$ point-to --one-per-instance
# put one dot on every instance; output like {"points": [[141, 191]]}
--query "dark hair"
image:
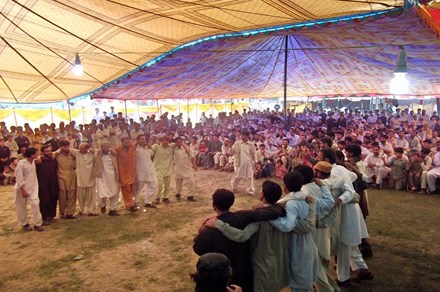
{"points": [[354, 149], [329, 154], [30, 151], [213, 274], [245, 132], [339, 156], [306, 171], [44, 147], [348, 139], [271, 191], [293, 181], [63, 143], [12, 159], [398, 150], [140, 135], [328, 141], [426, 151], [223, 199]]}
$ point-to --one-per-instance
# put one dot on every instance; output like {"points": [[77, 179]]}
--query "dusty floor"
{"points": [[152, 251]]}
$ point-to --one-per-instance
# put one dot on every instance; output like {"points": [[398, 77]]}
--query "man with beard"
{"points": [[185, 164], [85, 160], [106, 173], [127, 162], [66, 180], [146, 175], [48, 189], [163, 163]]}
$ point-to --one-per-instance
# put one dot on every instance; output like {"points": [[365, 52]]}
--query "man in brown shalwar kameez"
{"points": [[126, 156], [66, 180]]}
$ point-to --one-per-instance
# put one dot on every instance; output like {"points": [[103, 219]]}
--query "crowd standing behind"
{"points": [[93, 163]]}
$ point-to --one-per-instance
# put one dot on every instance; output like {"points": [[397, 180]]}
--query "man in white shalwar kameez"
{"points": [[301, 247], [85, 179], [434, 173], [352, 226], [145, 172], [184, 166], [101, 135], [244, 160], [375, 165], [26, 191], [324, 204], [107, 182]]}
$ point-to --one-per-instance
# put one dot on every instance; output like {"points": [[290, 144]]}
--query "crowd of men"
{"points": [[332, 157]]}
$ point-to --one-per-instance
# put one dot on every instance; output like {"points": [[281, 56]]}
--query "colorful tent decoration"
{"points": [[354, 55], [40, 39]]}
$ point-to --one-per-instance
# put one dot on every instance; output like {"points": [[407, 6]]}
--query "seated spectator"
{"points": [[12, 145], [399, 165], [258, 170], [202, 155], [268, 167], [9, 177], [414, 171], [375, 166], [280, 169]]}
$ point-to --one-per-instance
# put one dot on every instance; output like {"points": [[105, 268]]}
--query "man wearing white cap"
{"points": [[352, 226]]}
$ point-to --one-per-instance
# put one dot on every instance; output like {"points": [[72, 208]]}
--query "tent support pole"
{"points": [[212, 108], [68, 107], [285, 82], [126, 112], [51, 114], [84, 116], [15, 117], [187, 108]]}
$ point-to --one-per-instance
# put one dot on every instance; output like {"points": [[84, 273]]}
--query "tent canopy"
{"points": [[39, 40]]}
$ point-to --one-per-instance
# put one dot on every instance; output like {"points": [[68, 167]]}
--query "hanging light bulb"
{"points": [[399, 84], [78, 68]]}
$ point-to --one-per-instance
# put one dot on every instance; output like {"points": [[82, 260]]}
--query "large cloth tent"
{"points": [[145, 49]]}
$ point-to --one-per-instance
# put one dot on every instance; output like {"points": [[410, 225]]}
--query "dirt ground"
{"points": [[152, 250]]}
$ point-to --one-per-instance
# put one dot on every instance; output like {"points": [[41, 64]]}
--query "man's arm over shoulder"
{"points": [[260, 214], [236, 234]]}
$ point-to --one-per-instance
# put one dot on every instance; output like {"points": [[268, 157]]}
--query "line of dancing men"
{"points": [[289, 241], [95, 178]]}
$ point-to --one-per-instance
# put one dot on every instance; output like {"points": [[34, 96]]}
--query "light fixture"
{"points": [[399, 84], [78, 68]]}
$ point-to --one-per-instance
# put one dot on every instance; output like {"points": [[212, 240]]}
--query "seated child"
{"points": [[9, 176], [280, 169]]}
